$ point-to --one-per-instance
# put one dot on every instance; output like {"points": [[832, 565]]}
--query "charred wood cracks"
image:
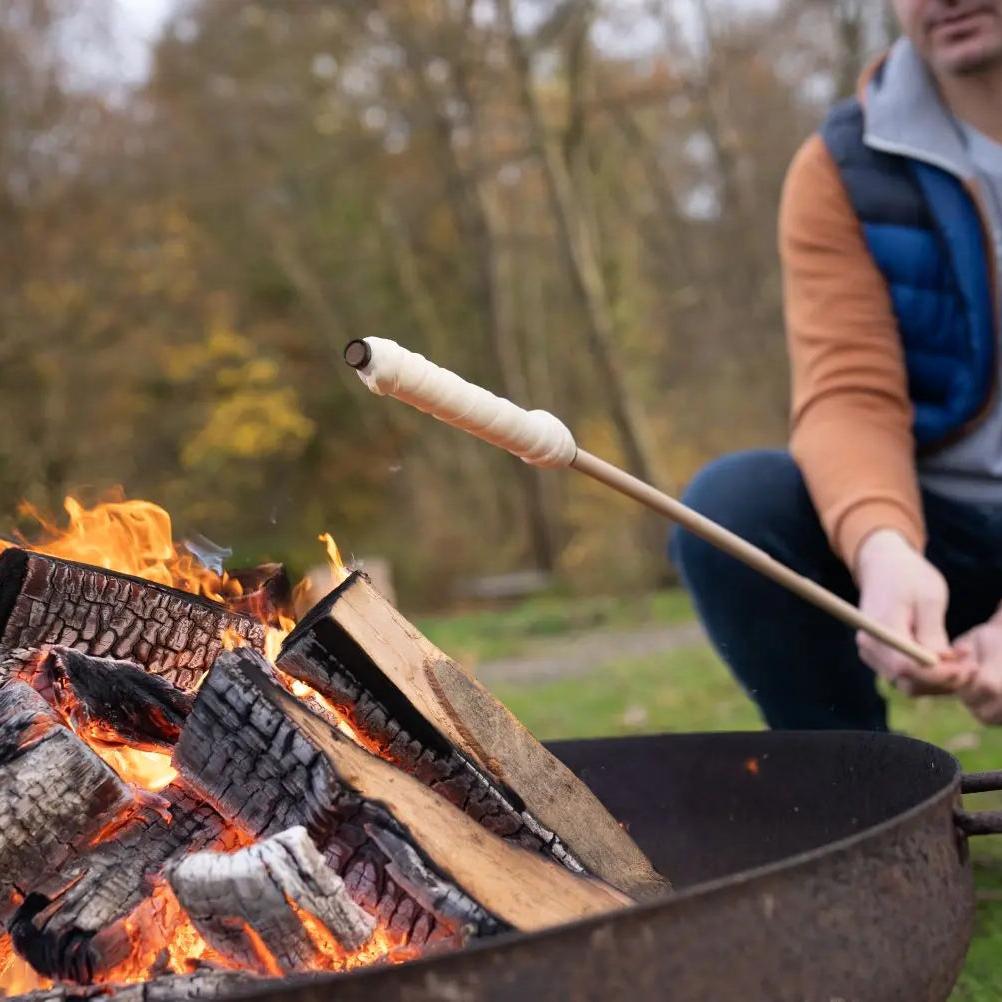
{"points": [[168, 632], [241, 750], [321, 654]]}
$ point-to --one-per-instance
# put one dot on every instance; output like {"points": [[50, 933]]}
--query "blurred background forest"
{"points": [[570, 201]]}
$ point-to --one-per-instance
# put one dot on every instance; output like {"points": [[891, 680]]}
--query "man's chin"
{"points": [[965, 58]]}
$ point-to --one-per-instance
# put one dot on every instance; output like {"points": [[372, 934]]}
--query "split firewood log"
{"points": [[168, 632], [56, 794], [414, 706], [116, 702], [407, 855], [239, 901], [101, 912]]}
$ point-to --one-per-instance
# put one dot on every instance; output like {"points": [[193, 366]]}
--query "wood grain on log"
{"points": [[99, 912], [413, 704], [56, 795], [117, 702], [239, 901], [376, 824], [168, 632]]}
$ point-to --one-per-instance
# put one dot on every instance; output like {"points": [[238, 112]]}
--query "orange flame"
{"points": [[17, 976], [149, 770], [338, 568], [382, 945], [131, 537]]}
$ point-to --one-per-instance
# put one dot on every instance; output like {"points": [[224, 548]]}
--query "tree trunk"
{"points": [[583, 262], [475, 218]]}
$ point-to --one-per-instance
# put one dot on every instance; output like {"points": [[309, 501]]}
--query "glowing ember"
{"points": [[17, 977], [326, 708], [381, 946], [149, 770]]}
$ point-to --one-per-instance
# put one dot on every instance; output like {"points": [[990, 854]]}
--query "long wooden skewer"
{"points": [[540, 438]]}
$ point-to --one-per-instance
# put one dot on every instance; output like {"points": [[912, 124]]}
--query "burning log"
{"points": [[115, 702], [44, 600], [414, 707], [247, 755], [241, 901], [406, 855], [56, 795], [208, 984], [99, 915], [266, 594]]}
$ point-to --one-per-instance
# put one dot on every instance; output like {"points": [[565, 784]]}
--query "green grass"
{"points": [[690, 690], [484, 635]]}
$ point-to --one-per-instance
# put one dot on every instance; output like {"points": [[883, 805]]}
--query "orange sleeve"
{"points": [[852, 416]]}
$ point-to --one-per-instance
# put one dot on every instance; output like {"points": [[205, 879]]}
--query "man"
{"points": [[891, 245]]}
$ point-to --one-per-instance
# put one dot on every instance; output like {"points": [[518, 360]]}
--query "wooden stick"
{"points": [[732, 544], [539, 438]]}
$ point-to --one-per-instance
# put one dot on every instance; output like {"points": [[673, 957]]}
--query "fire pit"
{"points": [[819, 866], [181, 811], [198, 800]]}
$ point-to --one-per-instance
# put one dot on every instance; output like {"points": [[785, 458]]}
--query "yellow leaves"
{"points": [[253, 423], [249, 414], [224, 352], [53, 301]]}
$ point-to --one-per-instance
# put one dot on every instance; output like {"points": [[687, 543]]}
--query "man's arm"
{"points": [[852, 417], [852, 420]]}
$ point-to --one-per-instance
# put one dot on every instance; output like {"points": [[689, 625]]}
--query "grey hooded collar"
{"points": [[904, 114]]}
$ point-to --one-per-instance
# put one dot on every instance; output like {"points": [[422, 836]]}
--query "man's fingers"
{"points": [[987, 711], [884, 660], [930, 624], [910, 677]]}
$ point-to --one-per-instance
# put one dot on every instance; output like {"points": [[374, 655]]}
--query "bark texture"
{"points": [[55, 794], [248, 757], [99, 912], [168, 632], [330, 661], [240, 901], [209, 984], [414, 707], [117, 702]]}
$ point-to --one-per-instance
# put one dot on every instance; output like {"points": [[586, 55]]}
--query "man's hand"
{"points": [[901, 589], [982, 694]]}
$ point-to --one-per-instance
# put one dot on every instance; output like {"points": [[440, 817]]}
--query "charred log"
{"points": [[239, 901], [209, 984], [55, 794], [266, 595], [414, 707], [168, 632], [244, 754], [117, 702], [406, 855], [101, 912]]}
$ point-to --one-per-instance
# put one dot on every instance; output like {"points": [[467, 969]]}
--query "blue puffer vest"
{"points": [[927, 237]]}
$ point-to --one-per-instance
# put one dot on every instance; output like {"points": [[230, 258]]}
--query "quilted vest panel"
{"points": [[925, 235]]}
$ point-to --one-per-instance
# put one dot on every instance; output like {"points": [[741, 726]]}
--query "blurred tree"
{"points": [[570, 201]]}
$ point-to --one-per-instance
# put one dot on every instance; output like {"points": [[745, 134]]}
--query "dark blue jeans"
{"points": [[799, 664]]}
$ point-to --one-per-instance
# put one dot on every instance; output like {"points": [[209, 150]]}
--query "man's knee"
{"points": [[750, 493]]}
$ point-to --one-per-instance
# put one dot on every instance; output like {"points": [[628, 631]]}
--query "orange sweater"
{"points": [[852, 416]]}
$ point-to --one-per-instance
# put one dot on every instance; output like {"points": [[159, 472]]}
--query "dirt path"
{"points": [[581, 653]]}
